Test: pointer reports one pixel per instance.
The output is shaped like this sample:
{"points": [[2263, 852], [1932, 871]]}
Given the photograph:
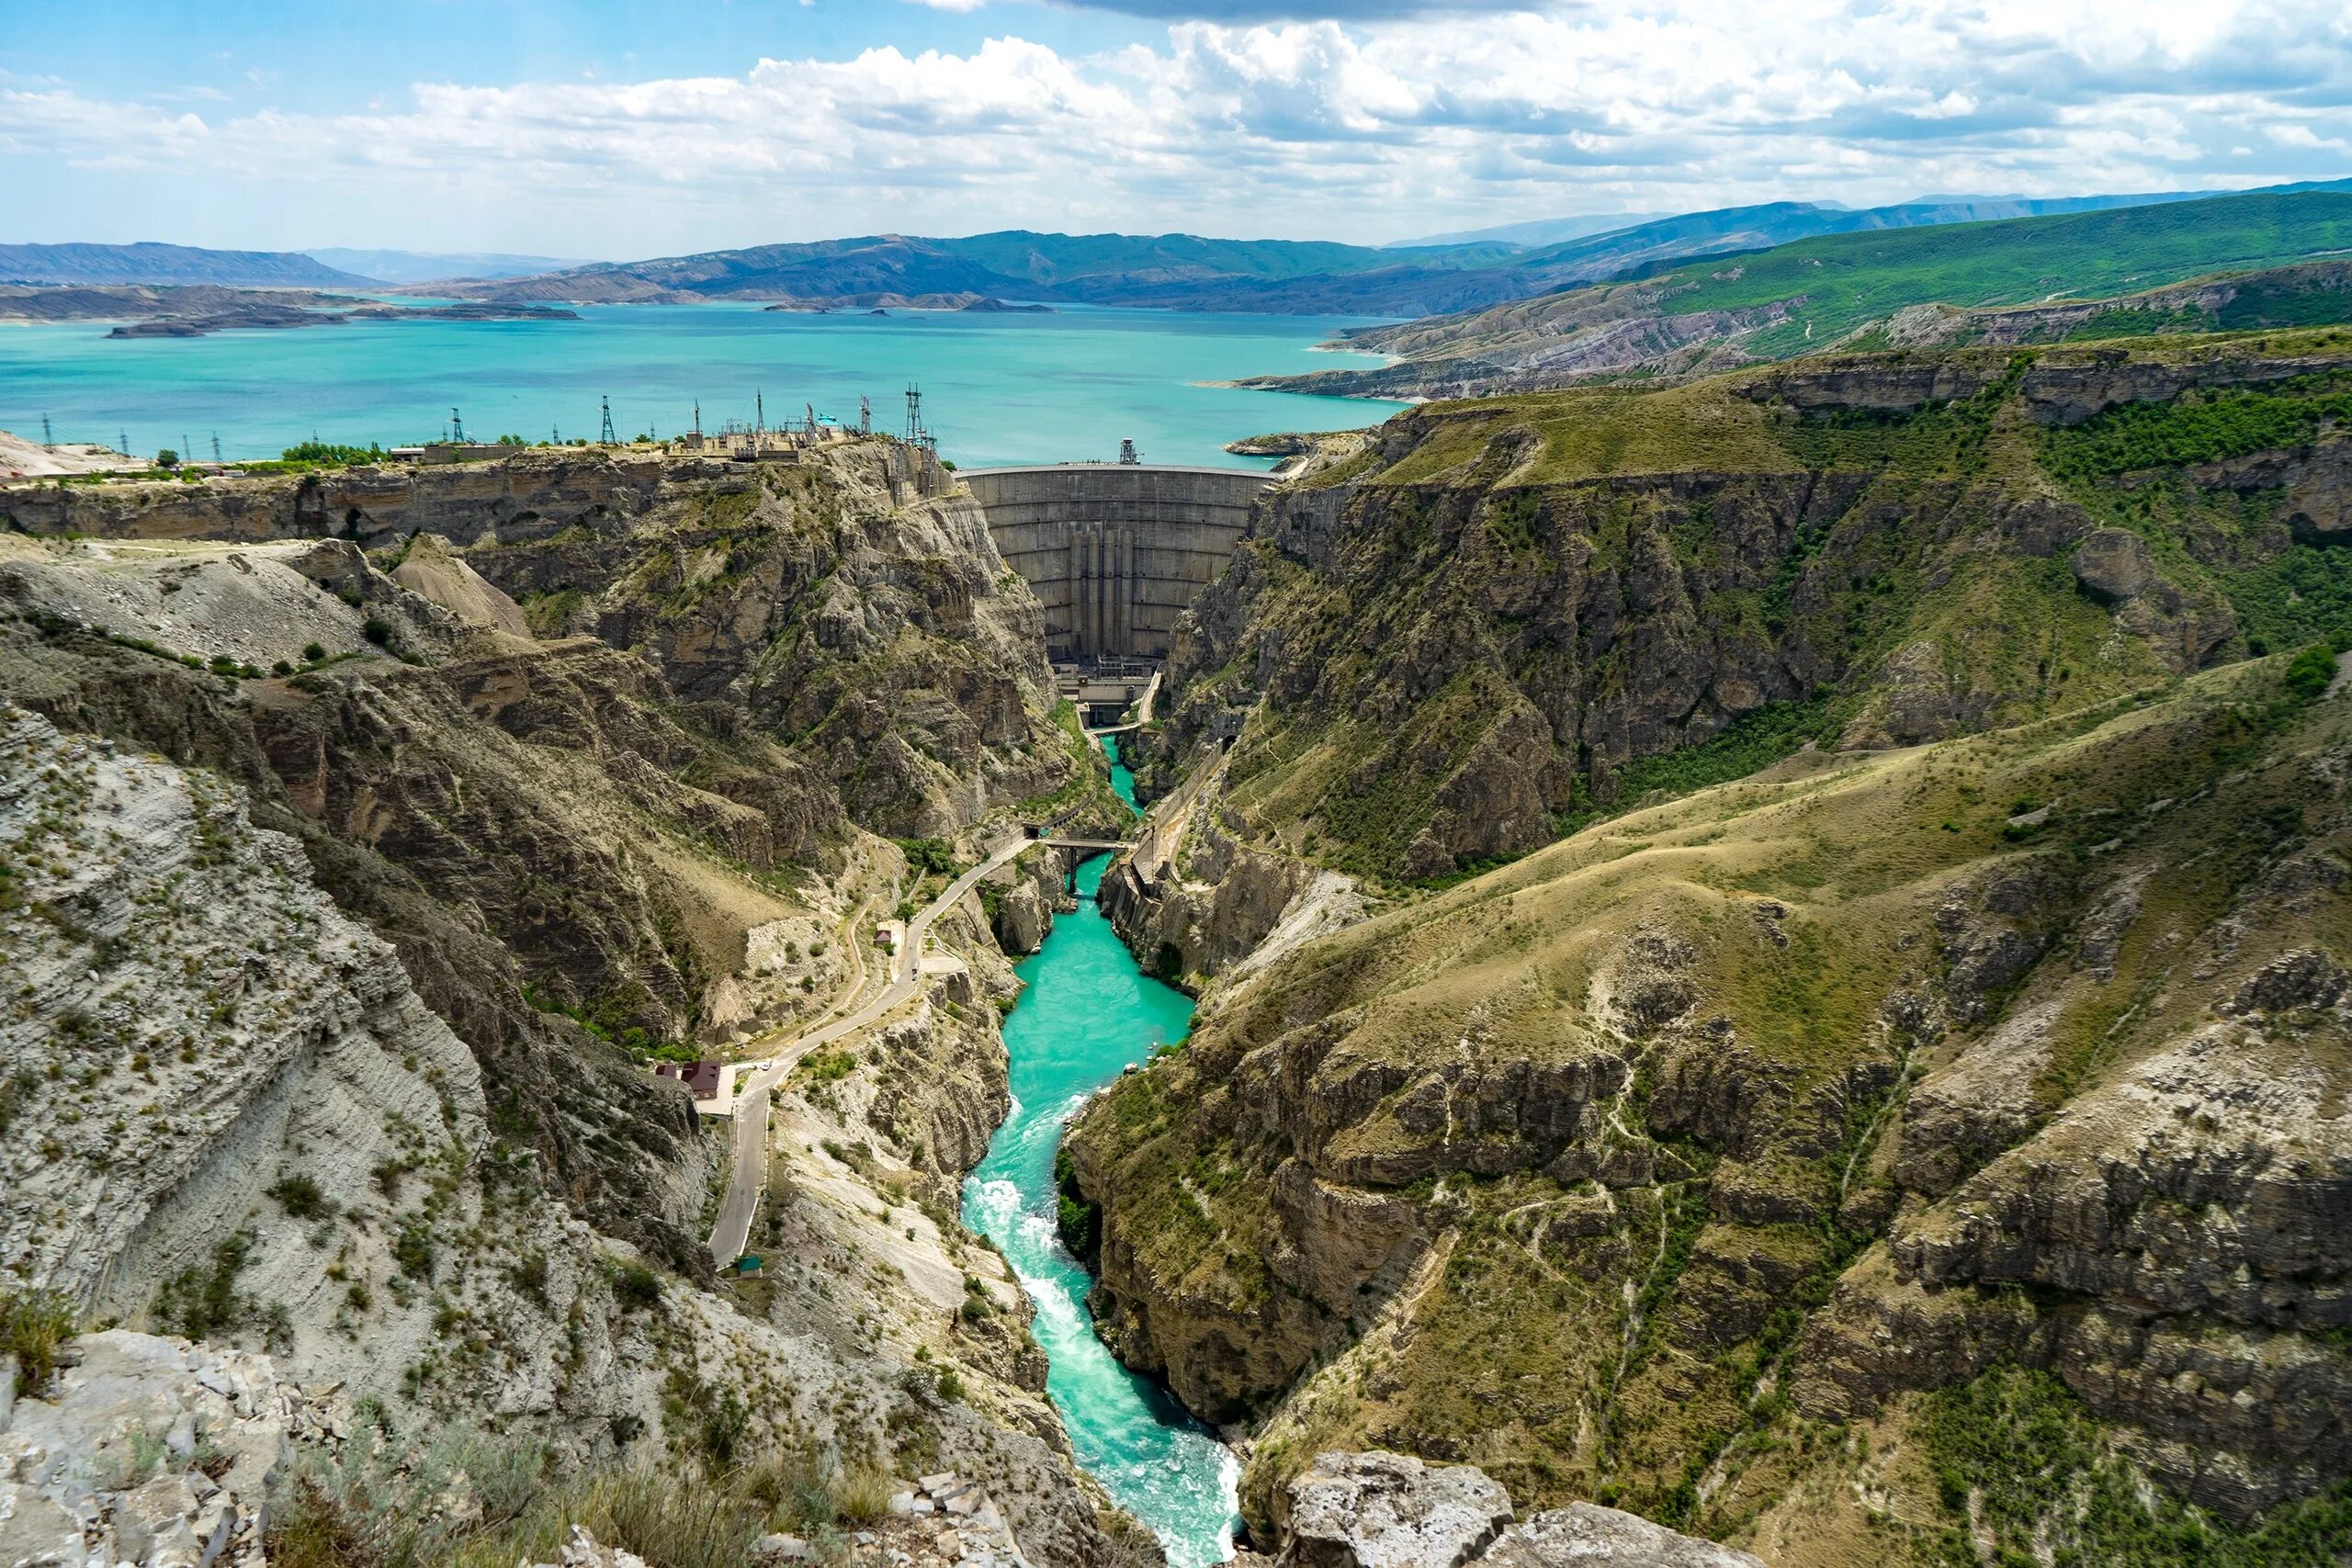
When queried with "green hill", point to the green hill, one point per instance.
{"points": [[1805, 296]]}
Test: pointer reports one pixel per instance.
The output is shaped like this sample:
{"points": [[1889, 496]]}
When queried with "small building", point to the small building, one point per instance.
{"points": [[890, 936], [711, 1083]]}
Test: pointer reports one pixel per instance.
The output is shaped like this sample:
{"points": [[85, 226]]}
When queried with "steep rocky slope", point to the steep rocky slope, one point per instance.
{"points": [[1918, 1150], [883, 642], [2267, 260], [337, 912], [1501, 615], [1752, 1159]]}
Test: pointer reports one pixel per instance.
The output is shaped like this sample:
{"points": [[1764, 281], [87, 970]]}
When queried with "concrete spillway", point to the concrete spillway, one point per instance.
{"points": [[1114, 550]]}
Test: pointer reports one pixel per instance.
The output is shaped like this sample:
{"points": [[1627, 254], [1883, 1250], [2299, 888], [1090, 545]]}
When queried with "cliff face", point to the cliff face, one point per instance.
{"points": [[884, 643], [1868, 1091], [1508, 613], [1963, 1080], [330, 977]]}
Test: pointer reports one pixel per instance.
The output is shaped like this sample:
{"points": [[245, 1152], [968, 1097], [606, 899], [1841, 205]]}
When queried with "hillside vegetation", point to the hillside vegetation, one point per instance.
{"points": [[1505, 615], [1807, 296], [1925, 1155]]}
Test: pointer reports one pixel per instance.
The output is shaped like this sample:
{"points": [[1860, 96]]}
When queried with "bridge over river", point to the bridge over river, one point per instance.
{"points": [[1116, 551]]}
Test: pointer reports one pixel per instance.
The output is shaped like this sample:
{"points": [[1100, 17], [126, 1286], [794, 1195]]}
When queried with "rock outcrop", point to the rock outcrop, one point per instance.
{"points": [[1385, 1510], [1507, 614], [1822, 1095], [146, 1451]]}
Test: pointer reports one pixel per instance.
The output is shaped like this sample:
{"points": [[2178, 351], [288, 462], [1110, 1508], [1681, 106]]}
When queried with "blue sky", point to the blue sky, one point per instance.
{"points": [[621, 130]]}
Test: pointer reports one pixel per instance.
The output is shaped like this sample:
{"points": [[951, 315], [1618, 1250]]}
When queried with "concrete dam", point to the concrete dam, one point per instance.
{"points": [[1114, 550]]}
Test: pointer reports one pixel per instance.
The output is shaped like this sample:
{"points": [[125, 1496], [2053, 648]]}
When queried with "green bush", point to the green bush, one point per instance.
{"points": [[636, 1287], [2311, 673], [299, 1196], [33, 1324]]}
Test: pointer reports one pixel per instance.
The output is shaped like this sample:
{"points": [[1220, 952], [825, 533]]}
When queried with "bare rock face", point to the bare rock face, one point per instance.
{"points": [[2113, 565], [1385, 1510], [167, 1450], [1585, 1535]]}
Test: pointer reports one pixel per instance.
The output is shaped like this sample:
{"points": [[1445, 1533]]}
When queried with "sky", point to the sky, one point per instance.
{"points": [[610, 130]]}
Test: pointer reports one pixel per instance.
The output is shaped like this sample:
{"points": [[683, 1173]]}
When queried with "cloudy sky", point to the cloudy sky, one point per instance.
{"points": [[620, 129]]}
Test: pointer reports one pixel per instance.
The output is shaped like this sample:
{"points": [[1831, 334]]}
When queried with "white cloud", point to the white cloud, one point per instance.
{"points": [[1366, 130]]}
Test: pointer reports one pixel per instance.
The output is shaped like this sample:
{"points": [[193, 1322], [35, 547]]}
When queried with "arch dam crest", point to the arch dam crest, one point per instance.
{"points": [[1114, 551]]}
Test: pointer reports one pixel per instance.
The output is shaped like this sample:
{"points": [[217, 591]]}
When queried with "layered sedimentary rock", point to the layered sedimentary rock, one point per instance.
{"points": [[1970, 1063], [338, 911]]}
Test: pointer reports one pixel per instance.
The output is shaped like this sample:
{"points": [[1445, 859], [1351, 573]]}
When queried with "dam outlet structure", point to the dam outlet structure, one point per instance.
{"points": [[1114, 551]]}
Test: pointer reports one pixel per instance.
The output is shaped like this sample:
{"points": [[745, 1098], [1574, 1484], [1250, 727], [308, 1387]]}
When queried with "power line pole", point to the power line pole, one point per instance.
{"points": [[457, 426], [216, 446], [46, 440], [914, 413], [865, 417], [123, 436], [606, 437]]}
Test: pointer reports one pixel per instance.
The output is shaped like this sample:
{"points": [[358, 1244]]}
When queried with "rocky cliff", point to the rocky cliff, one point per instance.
{"points": [[884, 643], [341, 914], [1904, 1092], [1507, 614], [1900, 1063]]}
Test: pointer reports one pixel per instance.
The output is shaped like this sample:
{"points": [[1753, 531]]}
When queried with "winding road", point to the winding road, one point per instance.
{"points": [[732, 1232]]}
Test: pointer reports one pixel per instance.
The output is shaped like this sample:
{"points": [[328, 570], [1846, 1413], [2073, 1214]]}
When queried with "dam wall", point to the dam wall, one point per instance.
{"points": [[1116, 551]]}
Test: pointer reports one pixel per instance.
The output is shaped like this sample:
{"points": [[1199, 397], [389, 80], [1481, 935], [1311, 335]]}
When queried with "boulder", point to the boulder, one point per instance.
{"points": [[1385, 1510], [1585, 1535], [2113, 567]]}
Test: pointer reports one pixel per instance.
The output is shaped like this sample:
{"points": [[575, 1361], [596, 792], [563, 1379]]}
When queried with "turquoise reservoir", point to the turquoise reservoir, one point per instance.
{"points": [[1089, 1012]]}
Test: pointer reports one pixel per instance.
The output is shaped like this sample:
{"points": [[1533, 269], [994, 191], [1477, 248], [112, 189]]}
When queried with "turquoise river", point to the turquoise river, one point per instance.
{"points": [[997, 388], [1087, 1013]]}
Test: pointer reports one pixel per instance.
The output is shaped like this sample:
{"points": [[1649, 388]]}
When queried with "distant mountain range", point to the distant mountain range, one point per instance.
{"points": [[1276, 276], [150, 264], [2022, 279], [1466, 272], [427, 266]]}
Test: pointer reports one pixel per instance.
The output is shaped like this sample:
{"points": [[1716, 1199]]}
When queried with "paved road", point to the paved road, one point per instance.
{"points": [[733, 1230]]}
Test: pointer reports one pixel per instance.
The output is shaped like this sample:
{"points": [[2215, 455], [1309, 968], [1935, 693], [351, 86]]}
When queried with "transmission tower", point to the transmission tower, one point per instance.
{"points": [[46, 440], [864, 418], [808, 420], [697, 419], [914, 413], [606, 437], [124, 437], [187, 452], [216, 446]]}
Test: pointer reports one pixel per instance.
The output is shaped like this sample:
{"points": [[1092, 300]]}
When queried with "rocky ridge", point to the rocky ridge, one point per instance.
{"points": [[511, 861], [1507, 614]]}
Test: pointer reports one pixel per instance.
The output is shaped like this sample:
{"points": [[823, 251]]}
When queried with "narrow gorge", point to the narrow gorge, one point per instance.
{"points": [[1739, 970]]}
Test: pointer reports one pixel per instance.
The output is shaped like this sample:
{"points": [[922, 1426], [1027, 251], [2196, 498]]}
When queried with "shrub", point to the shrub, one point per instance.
{"points": [[312, 653], [2311, 673], [299, 1196], [413, 1250], [377, 630], [636, 1287], [32, 1324]]}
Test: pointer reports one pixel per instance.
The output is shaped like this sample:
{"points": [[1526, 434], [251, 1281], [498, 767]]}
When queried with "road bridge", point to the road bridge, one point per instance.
{"points": [[1116, 551]]}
